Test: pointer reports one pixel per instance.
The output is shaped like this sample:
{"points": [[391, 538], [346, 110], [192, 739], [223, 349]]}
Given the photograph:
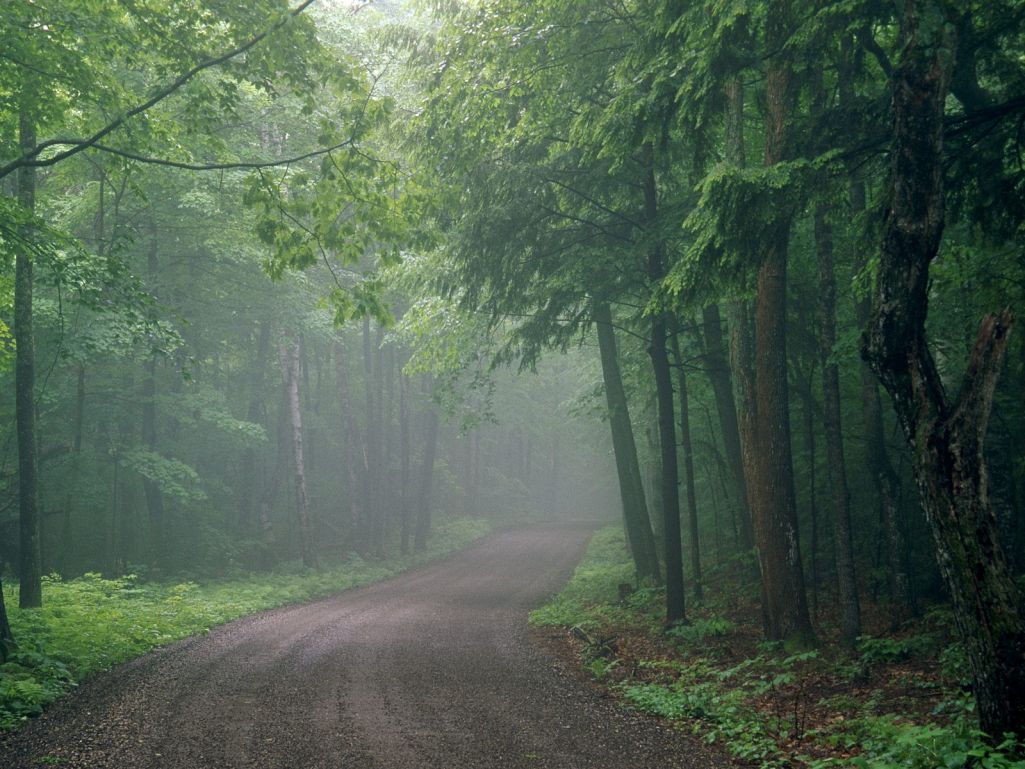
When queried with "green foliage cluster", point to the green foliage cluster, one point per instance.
{"points": [[593, 587], [90, 624], [719, 704]]}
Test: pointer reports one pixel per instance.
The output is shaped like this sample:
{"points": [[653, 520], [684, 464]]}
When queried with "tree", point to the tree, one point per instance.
{"points": [[946, 434]]}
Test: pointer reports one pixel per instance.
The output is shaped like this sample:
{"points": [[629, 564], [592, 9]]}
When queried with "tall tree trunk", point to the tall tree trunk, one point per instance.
{"points": [[658, 352], [631, 490], [688, 467], [945, 435], [255, 414], [7, 644], [404, 450], [30, 593], [877, 459], [718, 371], [846, 578], [78, 420], [290, 364], [355, 457], [804, 391], [372, 507], [774, 504], [423, 513], [742, 340], [154, 498], [381, 458]]}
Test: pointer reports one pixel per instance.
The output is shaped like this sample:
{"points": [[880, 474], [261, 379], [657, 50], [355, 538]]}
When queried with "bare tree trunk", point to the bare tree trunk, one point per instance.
{"points": [[688, 467], [846, 579], [154, 498], [804, 390], [945, 435], [631, 490], [355, 457], [718, 371], [423, 514], [404, 449], [255, 414], [658, 352], [290, 365], [30, 593], [774, 504], [7, 643], [877, 460], [373, 464]]}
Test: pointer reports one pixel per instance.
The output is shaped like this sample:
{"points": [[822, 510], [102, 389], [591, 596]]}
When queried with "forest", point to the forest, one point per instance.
{"points": [[715, 299]]}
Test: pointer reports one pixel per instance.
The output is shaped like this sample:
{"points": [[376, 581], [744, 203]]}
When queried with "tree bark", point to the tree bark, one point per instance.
{"points": [[718, 371], [658, 352], [404, 449], [877, 459], [371, 508], [30, 593], [423, 513], [151, 491], [846, 578], [631, 489], [688, 468], [290, 363], [7, 643], [256, 414], [945, 435], [774, 506]]}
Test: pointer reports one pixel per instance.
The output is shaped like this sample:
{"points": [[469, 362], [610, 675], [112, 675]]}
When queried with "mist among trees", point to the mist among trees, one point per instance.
{"points": [[285, 286]]}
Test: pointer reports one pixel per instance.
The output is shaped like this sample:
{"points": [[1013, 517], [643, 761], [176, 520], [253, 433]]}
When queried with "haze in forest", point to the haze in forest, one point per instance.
{"points": [[301, 294]]}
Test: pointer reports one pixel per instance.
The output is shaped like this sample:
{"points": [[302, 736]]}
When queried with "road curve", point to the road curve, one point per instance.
{"points": [[430, 670]]}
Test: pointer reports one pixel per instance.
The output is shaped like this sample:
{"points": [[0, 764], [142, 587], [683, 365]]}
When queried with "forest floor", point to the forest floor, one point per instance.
{"points": [[898, 700], [433, 669]]}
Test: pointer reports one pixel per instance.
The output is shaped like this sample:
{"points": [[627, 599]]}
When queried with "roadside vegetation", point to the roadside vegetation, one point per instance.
{"points": [[89, 624], [899, 699]]}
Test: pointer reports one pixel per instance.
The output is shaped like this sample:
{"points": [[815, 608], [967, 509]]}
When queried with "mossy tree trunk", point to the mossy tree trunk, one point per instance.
{"points": [[945, 434]]}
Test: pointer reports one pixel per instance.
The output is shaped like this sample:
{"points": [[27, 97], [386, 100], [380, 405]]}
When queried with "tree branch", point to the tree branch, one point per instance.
{"points": [[29, 158], [252, 165]]}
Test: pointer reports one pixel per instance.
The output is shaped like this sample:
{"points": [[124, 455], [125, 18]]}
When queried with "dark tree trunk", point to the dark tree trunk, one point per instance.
{"points": [[774, 505], [290, 354], [718, 370], [945, 435], [804, 390], [423, 512], [688, 468], [150, 489], [631, 489], [658, 352], [7, 644], [846, 579], [30, 593], [877, 459]]}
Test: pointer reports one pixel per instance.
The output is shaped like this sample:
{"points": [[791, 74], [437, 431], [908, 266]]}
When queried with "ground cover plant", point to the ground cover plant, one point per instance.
{"points": [[89, 624], [899, 699]]}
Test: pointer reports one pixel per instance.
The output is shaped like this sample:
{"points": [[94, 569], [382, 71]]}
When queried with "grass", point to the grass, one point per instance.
{"points": [[896, 702], [90, 624]]}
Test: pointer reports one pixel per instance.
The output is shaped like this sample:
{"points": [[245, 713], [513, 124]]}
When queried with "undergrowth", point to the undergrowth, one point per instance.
{"points": [[820, 709], [89, 624]]}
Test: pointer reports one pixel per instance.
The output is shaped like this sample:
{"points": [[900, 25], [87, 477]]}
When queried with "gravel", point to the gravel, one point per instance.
{"points": [[430, 670]]}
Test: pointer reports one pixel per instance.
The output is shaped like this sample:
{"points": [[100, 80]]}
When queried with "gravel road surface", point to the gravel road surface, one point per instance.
{"points": [[430, 670]]}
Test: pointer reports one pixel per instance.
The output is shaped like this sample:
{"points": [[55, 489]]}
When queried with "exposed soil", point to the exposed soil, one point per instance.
{"points": [[431, 670]]}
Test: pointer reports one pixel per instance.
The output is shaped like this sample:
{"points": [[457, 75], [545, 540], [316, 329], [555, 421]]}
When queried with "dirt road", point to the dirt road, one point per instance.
{"points": [[431, 670]]}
